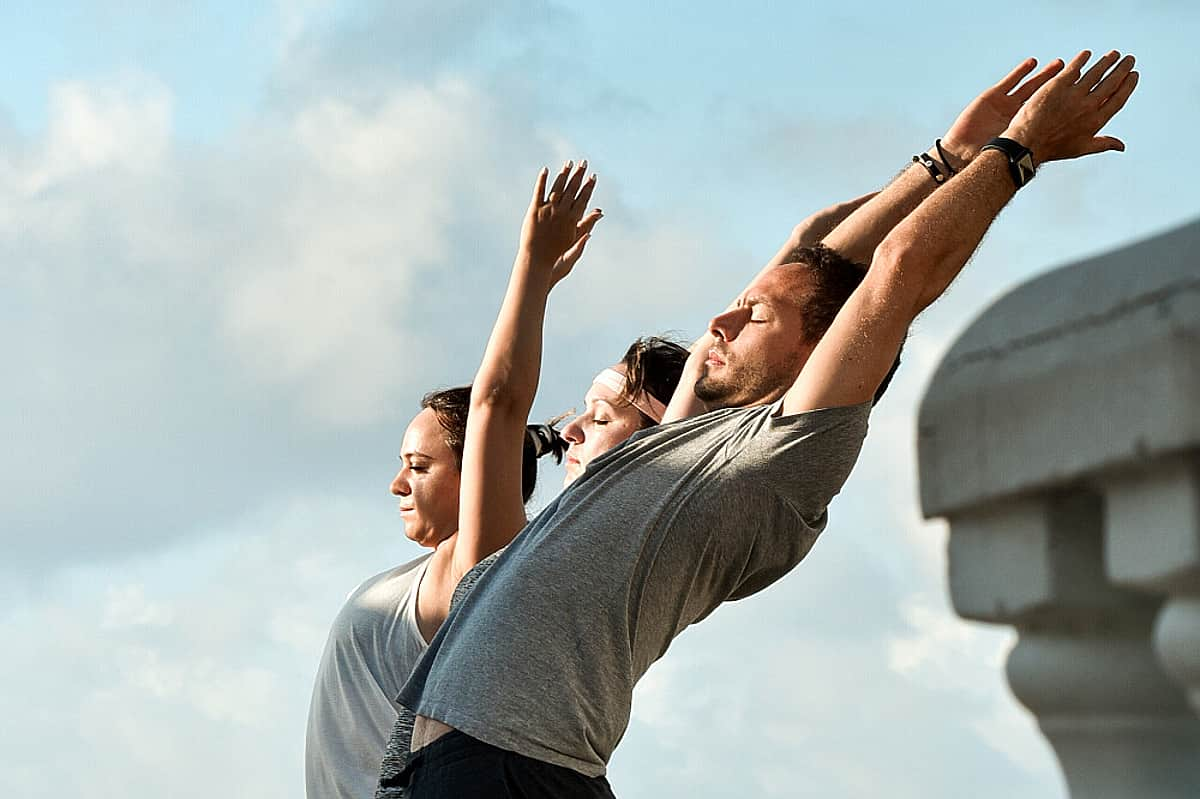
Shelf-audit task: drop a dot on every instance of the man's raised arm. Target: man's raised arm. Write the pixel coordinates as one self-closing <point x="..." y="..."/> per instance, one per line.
<point x="854" y="228"/>
<point x="985" y="117"/>
<point x="917" y="261"/>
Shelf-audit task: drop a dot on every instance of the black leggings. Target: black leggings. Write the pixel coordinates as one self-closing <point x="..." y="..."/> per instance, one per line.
<point x="457" y="766"/>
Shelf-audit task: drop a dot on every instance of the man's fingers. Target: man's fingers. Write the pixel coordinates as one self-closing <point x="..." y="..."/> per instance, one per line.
<point x="1073" y="68"/>
<point x="1102" y="144"/>
<point x="556" y="189"/>
<point x="1037" y="81"/>
<point x="1094" y="75"/>
<point x="584" y="228"/>
<point x="1011" y="80"/>
<point x="539" y="188"/>
<point x="1118" y="99"/>
<point x="1113" y="80"/>
<point x="585" y="196"/>
<point x="574" y="183"/>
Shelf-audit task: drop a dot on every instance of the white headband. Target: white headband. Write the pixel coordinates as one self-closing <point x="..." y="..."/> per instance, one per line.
<point x="618" y="383"/>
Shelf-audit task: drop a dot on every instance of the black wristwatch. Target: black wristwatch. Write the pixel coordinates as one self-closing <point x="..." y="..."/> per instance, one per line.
<point x="1020" y="160"/>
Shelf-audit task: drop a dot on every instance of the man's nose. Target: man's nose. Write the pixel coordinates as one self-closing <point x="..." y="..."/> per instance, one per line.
<point x="726" y="326"/>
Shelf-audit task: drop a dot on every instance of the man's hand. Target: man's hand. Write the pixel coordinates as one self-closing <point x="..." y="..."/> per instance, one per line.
<point x="555" y="232"/>
<point x="1062" y="118"/>
<point x="991" y="112"/>
<point x="815" y="228"/>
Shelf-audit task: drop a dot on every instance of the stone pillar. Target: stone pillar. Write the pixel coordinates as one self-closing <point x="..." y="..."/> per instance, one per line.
<point x="1060" y="438"/>
<point x="1153" y="542"/>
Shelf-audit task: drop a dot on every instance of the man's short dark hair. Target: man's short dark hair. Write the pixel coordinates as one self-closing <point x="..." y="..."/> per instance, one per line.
<point x="832" y="278"/>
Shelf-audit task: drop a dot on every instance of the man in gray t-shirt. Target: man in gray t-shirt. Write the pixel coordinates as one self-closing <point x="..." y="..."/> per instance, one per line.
<point x="651" y="538"/>
<point x="526" y="689"/>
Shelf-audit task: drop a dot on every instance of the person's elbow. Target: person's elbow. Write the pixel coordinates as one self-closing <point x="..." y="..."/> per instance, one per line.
<point x="496" y="398"/>
<point x="898" y="272"/>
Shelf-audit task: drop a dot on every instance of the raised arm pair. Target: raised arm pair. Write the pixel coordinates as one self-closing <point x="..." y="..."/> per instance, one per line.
<point x="920" y="257"/>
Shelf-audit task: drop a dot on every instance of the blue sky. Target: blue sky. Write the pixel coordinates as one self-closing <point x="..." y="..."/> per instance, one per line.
<point x="239" y="241"/>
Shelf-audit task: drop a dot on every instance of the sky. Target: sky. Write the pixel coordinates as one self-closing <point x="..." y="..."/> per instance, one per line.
<point x="238" y="241"/>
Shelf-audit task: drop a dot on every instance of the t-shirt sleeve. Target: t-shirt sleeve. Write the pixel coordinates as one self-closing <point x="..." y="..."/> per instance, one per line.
<point x="804" y="458"/>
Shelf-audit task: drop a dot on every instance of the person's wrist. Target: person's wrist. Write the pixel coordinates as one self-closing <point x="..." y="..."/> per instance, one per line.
<point x="955" y="154"/>
<point x="1024" y="137"/>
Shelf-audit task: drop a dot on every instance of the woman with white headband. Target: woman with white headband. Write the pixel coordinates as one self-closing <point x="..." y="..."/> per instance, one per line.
<point x="623" y="399"/>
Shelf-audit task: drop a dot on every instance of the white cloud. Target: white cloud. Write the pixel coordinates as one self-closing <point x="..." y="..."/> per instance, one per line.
<point x="123" y="123"/>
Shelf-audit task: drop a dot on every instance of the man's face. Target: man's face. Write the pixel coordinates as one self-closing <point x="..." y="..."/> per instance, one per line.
<point x="757" y="346"/>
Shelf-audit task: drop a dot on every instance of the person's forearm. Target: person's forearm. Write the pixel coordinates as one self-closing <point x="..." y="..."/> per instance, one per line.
<point x="684" y="402"/>
<point x="815" y="228"/>
<point x="857" y="237"/>
<point x="927" y="250"/>
<point x="508" y="375"/>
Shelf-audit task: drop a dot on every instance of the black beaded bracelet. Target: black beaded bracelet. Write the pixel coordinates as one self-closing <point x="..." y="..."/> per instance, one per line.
<point x="942" y="155"/>
<point x="931" y="166"/>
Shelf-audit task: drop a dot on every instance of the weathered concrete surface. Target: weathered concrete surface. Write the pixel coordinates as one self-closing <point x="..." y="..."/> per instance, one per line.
<point x="1060" y="437"/>
<point x="1086" y="367"/>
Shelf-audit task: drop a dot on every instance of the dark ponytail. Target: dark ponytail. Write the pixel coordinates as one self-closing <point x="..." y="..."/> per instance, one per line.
<point x="540" y="440"/>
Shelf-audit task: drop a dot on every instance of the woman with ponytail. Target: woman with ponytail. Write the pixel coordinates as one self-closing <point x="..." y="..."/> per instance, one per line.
<point x="387" y="622"/>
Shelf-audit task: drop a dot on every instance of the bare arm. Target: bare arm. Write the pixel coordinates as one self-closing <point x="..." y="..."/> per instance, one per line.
<point x="553" y="237"/>
<point x="815" y="227"/>
<point x="922" y="255"/>
<point x="856" y="227"/>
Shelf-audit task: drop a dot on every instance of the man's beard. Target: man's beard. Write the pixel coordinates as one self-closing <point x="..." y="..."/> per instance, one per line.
<point x="751" y="384"/>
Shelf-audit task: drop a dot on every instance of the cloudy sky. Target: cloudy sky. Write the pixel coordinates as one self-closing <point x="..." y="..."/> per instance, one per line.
<point x="239" y="240"/>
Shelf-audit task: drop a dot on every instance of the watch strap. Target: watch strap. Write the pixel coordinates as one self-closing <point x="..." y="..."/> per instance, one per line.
<point x="1020" y="159"/>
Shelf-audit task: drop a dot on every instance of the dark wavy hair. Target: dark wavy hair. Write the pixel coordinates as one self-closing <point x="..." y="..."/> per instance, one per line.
<point x="832" y="279"/>
<point x="653" y="364"/>
<point x="451" y="406"/>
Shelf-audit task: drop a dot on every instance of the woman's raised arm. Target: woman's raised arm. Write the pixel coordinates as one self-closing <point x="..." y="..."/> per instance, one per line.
<point x="553" y="237"/>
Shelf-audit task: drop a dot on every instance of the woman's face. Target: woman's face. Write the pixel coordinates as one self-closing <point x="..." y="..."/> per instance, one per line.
<point x="427" y="483"/>
<point x="606" y="421"/>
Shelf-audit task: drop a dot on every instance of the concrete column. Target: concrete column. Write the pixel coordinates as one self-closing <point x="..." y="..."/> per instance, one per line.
<point x="1153" y="541"/>
<point x="1085" y="662"/>
<point x="1060" y="437"/>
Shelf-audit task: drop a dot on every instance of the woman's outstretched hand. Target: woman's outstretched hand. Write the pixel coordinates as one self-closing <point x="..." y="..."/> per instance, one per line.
<point x="555" y="230"/>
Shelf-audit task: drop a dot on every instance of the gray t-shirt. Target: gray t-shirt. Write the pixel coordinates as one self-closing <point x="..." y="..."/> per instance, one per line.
<point x="372" y="647"/>
<point x="395" y="758"/>
<point x="543" y="656"/>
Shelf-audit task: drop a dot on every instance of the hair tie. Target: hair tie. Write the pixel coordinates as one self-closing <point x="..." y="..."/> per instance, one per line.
<point x="546" y="441"/>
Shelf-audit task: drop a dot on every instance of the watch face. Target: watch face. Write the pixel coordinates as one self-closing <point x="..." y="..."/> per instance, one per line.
<point x="1024" y="166"/>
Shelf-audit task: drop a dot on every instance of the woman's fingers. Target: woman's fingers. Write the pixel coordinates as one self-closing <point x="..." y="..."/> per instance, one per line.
<point x="571" y="256"/>
<point x="585" y="195"/>
<point x="584" y="228"/>
<point x="556" y="189"/>
<point x="539" y="188"/>
<point x="576" y="180"/>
